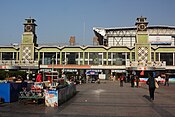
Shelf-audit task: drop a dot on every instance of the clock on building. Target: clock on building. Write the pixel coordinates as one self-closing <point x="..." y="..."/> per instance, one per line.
<point x="28" y="28"/>
<point x="141" y="24"/>
<point x="142" y="27"/>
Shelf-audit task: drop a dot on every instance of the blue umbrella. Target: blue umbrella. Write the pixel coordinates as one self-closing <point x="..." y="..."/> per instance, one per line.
<point x="91" y="73"/>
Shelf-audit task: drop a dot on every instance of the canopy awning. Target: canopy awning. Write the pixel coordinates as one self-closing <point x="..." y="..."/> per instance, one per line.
<point x="91" y="73"/>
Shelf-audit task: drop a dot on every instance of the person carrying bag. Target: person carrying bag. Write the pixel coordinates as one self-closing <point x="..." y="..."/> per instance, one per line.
<point x="151" y="82"/>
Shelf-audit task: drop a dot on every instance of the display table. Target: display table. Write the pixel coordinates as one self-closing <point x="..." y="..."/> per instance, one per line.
<point x="9" y="91"/>
<point x="34" y="92"/>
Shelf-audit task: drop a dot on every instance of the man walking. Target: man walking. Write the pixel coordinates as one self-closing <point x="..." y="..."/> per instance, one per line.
<point x="166" y="80"/>
<point x="151" y="83"/>
<point x="121" y="80"/>
<point x="132" y="80"/>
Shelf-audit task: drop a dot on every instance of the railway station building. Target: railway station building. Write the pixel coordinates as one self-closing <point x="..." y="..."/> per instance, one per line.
<point x="142" y="47"/>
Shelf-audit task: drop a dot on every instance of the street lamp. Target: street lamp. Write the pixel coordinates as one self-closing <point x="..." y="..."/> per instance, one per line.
<point x="63" y="67"/>
<point x="52" y="66"/>
<point x="64" y="62"/>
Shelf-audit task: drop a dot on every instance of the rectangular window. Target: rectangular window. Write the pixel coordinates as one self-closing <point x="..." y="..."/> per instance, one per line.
<point x="92" y="58"/>
<point x="7" y="56"/>
<point x="118" y="58"/>
<point x="0" y="55"/>
<point x="86" y="58"/>
<point x="104" y="58"/>
<point x="128" y="55"/>
<point x="36" y="56"/>
<point x="157" y="56"/>
<point x="109" y="58"/>
<point x="41" y="60"/>
<point x="63" y="57"/>
<point x="49" y="57"/>
<point x="168" y="57"/>
<point x="95" y="58"/>
<point x="152" y="56"/>
<point x="15" y="55"/>
<point x="133" y="56"/>
<point x="58" y="58"/>
<point x="81" y="58"/>
<point x="72" y="58"/>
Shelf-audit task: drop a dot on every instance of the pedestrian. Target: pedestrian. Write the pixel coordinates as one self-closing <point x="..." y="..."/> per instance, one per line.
<point x="166" y="80"/>
<point x="137" y="81"/>
<point x="151" y="84"/>
<point x="121" y="80"/>
<point x="98" y="80"/>
<point x="132" y="80"/>
<point x="39" y="78"/>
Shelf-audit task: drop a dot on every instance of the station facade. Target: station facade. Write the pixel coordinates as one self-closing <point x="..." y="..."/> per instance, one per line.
<point x="119" y="50"/>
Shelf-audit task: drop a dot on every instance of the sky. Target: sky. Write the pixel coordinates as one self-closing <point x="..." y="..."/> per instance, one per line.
<point x="57" y="20"/>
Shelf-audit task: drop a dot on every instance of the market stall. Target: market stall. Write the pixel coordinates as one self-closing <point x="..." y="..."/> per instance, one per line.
<point x="9" y="91"/>
<point x="35" y="93"/>
<point x="53" y="92"/>
<point x="92" y="76"/>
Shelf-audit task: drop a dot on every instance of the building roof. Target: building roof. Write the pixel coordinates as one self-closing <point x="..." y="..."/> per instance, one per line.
<point x="134" y="27"/>
<point x="102" y="31"/>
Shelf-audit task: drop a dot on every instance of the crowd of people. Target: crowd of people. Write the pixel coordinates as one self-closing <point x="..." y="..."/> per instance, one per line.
<point x="153" y="81"/>
<point x="134" y="80"/>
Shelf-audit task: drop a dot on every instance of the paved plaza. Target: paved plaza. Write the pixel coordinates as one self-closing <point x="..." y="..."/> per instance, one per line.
<point x="106" y="99"/>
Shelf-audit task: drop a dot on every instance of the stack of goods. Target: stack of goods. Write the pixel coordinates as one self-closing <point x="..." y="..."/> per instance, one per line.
<point x="35" y="93"/>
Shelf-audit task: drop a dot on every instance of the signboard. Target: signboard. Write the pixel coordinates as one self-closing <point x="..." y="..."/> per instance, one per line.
<point x="51" y="98"/>
<point x="160" y="40"/>
<point x="102" y="76"/>
<point x="119" y="71"/>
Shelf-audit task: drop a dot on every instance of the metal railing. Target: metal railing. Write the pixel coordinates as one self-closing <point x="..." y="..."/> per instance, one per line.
<point x="144" y="63"/>
<point x="19" y="62"/>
